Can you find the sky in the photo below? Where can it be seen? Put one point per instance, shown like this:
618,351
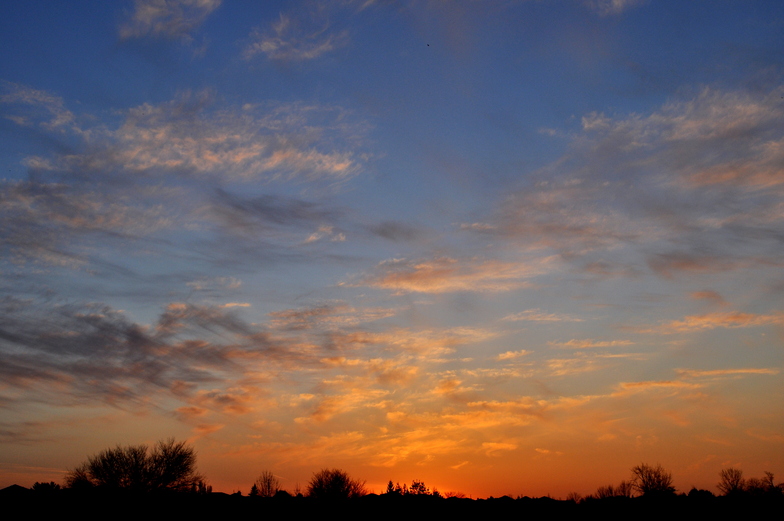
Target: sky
501,247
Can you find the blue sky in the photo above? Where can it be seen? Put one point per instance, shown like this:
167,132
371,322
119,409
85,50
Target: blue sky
484,244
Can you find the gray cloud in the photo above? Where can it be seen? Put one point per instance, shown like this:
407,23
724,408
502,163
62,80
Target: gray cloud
265,212
693,187
395,231
97,353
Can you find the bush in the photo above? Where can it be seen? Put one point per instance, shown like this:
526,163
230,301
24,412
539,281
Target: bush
335,484
169,465
46,488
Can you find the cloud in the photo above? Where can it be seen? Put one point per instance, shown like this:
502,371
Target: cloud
395,231
296,38
693,373
536,315
48,222
329,315
693,187
731,320
511,355
268,214
669,264
233,401
126,183
589,344
55,114
709,295
666,385
426,344
166,18
613,7
93,353
444,275
181,136
497,448
187,136
548,452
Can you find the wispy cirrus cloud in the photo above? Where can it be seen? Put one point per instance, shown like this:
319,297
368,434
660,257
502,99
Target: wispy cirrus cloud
444,275
641,193
125,183
589,344
45,106
711,373
166,18
188,136
537,315
297,37
100,355
730,320
327,315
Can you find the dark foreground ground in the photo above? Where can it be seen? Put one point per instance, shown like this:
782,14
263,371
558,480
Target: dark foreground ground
22,503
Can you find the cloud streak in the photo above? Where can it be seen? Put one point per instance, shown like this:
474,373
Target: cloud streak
166,18
445,275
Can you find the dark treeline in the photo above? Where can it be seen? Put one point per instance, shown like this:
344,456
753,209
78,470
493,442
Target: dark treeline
162,482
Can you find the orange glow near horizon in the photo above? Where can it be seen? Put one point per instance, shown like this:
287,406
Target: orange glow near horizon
503,248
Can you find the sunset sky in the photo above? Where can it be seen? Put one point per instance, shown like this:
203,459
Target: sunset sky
504,247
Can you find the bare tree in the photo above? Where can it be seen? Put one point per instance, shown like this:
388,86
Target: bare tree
266,485
170,465
649,480
731,481
335,484
624,489
605,492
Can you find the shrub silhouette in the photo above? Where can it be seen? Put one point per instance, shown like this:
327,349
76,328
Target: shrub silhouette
652,481
170,465
46,488
335,484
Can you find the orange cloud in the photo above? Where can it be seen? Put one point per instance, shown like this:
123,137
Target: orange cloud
444,275
690,373
733,319
536,315
511,355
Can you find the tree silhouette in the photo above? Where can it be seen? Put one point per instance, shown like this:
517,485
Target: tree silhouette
731,481
266,485
170,465
624,489
649,480
335,484
46,488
